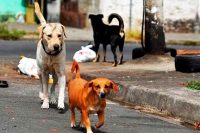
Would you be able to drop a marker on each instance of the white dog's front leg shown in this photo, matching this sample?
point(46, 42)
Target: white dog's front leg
point(61, 97)
point(52, 91)
point(44, 78)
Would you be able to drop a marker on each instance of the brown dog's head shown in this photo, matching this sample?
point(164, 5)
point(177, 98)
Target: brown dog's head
point(52, 36)
point(102, 86)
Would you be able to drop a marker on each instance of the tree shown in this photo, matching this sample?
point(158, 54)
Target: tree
point(154, 29)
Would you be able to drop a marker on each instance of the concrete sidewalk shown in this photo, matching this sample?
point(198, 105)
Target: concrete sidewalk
point(87, 34)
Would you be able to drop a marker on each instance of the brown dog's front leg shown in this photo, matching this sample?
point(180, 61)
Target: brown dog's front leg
point(86, 121)
point(101, 119)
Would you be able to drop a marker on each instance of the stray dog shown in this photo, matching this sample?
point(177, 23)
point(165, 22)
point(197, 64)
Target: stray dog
point(88, 97)
point(50, 58)
point(108, 34)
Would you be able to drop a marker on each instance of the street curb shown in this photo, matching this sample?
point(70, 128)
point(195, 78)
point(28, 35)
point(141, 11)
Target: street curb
point(176, 106)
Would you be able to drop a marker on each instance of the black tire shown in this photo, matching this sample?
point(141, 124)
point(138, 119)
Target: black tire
point(137, 53)
point(187, 63)
point(172, 51)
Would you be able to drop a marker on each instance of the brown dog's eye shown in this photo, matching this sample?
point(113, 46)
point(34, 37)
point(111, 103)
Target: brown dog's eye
point(98, 86)
point(59, 36)
point(49, 36)
point(106, 86)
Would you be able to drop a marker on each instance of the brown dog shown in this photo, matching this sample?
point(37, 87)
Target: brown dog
point(88, 97)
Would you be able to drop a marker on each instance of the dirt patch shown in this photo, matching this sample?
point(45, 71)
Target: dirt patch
point(10, 72)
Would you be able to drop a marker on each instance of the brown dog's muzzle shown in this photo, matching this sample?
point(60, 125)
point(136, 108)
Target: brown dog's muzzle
point(102, 95)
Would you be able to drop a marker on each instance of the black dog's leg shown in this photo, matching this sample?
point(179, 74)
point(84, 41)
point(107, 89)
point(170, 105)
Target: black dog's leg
point(96, 49)
point(121, 46)
point(104, 53)
point(113, 48)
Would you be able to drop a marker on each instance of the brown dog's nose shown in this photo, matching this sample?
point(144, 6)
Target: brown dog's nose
point(102, 94)
point(56, 47)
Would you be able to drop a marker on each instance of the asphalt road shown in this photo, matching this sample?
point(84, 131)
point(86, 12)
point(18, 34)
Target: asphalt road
point(20, 113)
point(13, 49)
point(20, 106)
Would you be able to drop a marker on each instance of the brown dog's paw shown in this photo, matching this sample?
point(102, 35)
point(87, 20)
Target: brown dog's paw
point(98, 125)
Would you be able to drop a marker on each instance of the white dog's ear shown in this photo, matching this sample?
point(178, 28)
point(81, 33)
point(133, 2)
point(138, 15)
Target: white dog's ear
point(40, 30)
point(64, 31)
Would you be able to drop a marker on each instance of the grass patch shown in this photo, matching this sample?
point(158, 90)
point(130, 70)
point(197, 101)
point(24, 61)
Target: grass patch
point(193, 85)
point(10, 35)
point(136, 35)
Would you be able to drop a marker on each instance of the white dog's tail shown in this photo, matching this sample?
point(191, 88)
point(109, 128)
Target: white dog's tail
point(39, 14)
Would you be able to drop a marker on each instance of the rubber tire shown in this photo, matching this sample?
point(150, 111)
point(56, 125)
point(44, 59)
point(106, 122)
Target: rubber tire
point(172, 51)
point(187, 63)
point(137, 53)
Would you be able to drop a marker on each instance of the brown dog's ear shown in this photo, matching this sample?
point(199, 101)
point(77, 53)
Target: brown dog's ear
point(114, 86)
point(88, 84)
point(64, 31)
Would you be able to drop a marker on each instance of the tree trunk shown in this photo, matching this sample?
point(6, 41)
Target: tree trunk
point(154, 30)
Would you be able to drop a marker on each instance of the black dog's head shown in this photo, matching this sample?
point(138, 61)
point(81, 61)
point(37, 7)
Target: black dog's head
point(96, 20)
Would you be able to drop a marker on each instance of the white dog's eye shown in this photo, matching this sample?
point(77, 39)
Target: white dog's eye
point(59, 35)
point(49, 36)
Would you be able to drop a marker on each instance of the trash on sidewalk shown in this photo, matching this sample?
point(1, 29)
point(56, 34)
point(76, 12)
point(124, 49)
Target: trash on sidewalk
point(3, 84)
point(86, 54)
point(28, 66)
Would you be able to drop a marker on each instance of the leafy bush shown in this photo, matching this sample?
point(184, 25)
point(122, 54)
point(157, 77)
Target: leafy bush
point(193, 84)
point(10, 35)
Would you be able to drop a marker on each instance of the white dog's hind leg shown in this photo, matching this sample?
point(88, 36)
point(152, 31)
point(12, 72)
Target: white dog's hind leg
point(45, 78)
point(61, 97)
point(52, 91)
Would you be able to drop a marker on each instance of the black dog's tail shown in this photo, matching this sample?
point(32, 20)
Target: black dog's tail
point(121, 22)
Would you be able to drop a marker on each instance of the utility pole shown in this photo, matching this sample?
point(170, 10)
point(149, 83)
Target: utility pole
point(130, 15)
point(154, 28)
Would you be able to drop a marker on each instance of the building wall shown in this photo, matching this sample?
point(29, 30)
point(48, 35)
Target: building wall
point(53, 10)
point(9, 9)
point(176, 13)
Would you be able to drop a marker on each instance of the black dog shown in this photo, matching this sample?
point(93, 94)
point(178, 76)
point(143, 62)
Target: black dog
point(108, 34)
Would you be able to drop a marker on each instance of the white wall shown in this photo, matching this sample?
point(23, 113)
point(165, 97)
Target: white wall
point(53, 10)
point(173, 9)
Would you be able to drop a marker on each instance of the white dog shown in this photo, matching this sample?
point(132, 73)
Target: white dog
point(50, 58)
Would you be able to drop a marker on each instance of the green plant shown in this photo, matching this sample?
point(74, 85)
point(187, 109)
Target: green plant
point(10, 35)
point(193, 84)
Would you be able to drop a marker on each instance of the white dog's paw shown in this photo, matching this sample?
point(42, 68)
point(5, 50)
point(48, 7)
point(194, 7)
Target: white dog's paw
point(53, 100)
point(41, 96)
point(61, 105)
point(45, 104)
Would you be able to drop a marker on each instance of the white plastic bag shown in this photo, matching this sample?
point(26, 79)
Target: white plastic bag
point(28, 66)
point(85, 54)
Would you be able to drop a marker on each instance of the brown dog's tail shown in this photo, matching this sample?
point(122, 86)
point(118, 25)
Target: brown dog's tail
point(75, 66)
point(121, 22)
point(39, 14)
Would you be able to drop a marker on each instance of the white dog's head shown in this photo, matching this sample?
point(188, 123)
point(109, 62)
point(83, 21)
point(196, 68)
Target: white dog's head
point(52, 36)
